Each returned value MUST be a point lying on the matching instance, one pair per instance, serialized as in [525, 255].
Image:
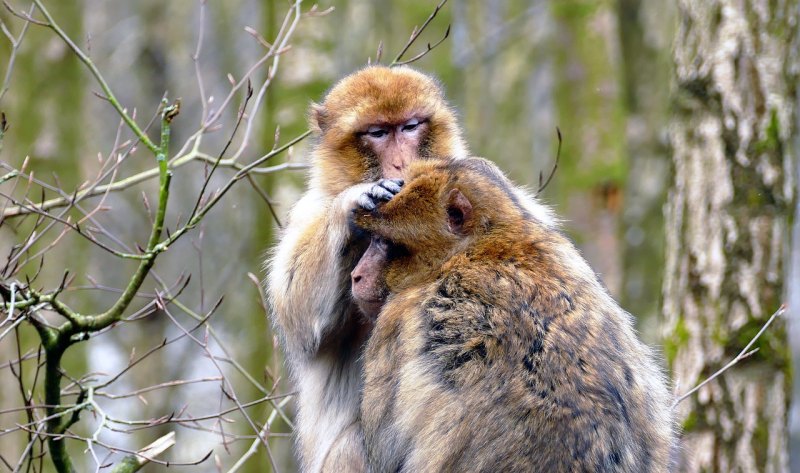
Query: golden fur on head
[377, 95]
[495, 217]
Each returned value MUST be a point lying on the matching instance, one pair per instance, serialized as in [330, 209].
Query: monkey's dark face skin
[497, 348]
[398, 144]
[367, 286]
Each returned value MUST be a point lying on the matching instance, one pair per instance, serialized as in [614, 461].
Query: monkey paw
[382, 191]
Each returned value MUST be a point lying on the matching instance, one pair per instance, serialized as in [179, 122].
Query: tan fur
[308, 281]
[347, 453]
[498, 349]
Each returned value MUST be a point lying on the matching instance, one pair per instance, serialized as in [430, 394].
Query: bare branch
[136, 461]
[415, 34]
[98, 76]
[542, 186]
[15, 43]
[745, 353]
[426, 51]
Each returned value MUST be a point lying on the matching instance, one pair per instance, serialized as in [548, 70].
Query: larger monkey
[370, 126]
[497, 348]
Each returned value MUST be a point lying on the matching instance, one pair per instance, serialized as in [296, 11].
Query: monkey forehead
[382, 95]
[489, 190]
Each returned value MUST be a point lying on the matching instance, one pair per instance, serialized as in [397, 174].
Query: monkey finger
[392, 185]
[379, 193]
[366, 202]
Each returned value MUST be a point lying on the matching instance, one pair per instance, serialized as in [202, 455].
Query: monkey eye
[411, 125]
[377, 132]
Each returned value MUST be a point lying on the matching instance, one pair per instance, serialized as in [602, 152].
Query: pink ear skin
[318, 118]
[459, 212]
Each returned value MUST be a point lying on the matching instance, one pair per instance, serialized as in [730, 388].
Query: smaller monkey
[496, 348]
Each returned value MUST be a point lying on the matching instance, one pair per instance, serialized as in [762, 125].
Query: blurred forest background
[651, 125]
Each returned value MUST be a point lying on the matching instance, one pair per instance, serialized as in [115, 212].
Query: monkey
[370, 125]
[496, 347]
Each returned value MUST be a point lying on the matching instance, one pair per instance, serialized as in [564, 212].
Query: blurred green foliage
[514, 70]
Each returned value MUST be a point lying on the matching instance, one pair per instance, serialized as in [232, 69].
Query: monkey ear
[318, 118]
[459, 212]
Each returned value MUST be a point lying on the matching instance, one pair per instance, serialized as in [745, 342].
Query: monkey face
[368, 286]
[395, 144]
[446, 208]
[374, 123]
[415, 229]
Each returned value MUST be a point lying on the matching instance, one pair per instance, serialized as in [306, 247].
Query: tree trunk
[727, 222]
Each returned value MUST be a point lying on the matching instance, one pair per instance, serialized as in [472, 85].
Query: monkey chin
[369, 308]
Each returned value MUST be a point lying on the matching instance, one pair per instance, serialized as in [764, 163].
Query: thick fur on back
[503, 352]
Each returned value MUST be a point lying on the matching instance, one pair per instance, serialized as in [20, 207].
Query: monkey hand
[381, 191]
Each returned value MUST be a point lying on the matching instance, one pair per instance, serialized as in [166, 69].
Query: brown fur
[498, 349]
[322, 332]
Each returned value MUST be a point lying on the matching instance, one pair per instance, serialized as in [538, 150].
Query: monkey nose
[356, 278]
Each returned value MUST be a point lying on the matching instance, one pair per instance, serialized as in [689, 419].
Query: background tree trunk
[727, 222]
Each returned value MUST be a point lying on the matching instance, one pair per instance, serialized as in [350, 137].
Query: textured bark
[728, 216]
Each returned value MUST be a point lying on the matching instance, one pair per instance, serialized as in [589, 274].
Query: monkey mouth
[370, 308]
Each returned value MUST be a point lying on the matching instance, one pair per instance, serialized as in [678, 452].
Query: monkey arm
[347, 453]
[308, 281]
[308, 286]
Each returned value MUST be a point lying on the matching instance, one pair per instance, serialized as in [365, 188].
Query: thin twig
[136, 461]
[25, 16]
[99, 77]
[430, 47]
[196, 59]
[277, 48]
[746, 352]
[416, 33]
[555, 166]
[122, 184]
[14, 48]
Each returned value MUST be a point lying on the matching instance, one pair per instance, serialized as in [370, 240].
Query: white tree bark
[727, 223]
